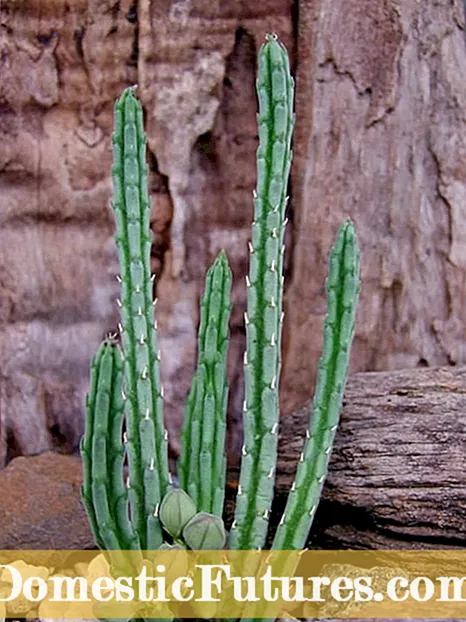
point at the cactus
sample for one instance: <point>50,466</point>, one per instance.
<point>342,294</point>
<point>264,310</point>
<point>124,406</point>
<point>202,466</point>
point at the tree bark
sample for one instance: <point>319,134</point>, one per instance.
<point>397,473</point>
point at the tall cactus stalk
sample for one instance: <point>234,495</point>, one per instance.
<point>264,303</point>
<point>146,436</point>
<point>103,492</point>
<point>342,295</point>
<point>202,466</point>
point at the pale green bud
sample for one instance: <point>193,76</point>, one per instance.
<point>205,531</point>
<point>176,509</point>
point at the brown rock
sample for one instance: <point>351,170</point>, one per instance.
<point>40,506</point>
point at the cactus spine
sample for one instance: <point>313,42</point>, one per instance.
<point>202,466</point>
<point>146,437</point>
<point>264,307</point>
<point>342,295</point>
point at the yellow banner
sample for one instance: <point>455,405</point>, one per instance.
<point>232,584</point>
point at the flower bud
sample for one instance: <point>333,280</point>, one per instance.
<point>176,509</point>
<point>205,531</point>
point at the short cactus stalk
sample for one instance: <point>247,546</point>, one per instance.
<point>202,466</point>
<point>128,493</point>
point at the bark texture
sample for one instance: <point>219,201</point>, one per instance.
<point>380,138</point>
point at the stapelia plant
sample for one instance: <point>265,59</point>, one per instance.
<point>143,510</point>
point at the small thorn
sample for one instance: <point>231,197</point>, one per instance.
<point>170,478</point>
<point>142,340</point>
<point>285,222</point>
<point>293,487</point>
<point>273,266</point>
<point>282,249</point>
<point>118,301</point>
<point>321,479</point>
<point>154,302</point>
<point>301,457</point>
<point>246,319</point>
<point>251,247</point>
<point>254,194</point>
<point>144,373</point>
<point>327,451</point>
<point>270,473</point>
<point>118,278</point>
<point>308,434</point>
<point>123,395</point>
<point>156,510</point>
<point>138,289</point>
<point>147,415</point>
<point>276,208</point>
<point>128,483</point>
<point>152,278</point>
<point>120,327</point>
<point>240,490</point>
<point>274,428</point>
<point>274,232</point>
<point>158,355</point>
<point>333,428</point>
<point>125,437</point>
<point>245,358</point>
<point>162,392</point>
<point>139,311</point>
<point>151,465</point>
<point>243,451</point>
<point>272,340</point>
<point>233,525</point>
<point>265,515</point>
<point>272,303</point>
<point>155,325</point>
<point>245,406</point>
<point>282,520</point>
<point>282,280</point>
<point>165,435</point>
<point>248,282</point>
<point>273,384</point>
<point>282,317</point>
<point>312,510</point>
<point>286,200</point>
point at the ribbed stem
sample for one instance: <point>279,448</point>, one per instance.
<point>202,466</point>
<point>264,311</point>
<point>147,438</point>
<point>342,295</point>
<point>103,492</point>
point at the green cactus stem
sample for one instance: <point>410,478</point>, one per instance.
<point>146,436</point>
<point>202,466</point>
<point>342,294</point>
<point>103,492</point>
<point>264,316</point>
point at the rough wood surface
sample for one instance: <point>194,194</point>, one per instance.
<point>380,137</point>
<point>397,476</point>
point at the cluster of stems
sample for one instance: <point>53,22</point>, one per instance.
<point>128,490</point>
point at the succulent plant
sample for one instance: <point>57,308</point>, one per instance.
<point>143,510</point>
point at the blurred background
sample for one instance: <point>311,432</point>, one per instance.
<point>380,138</point>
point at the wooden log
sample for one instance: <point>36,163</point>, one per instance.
<point>397,477</point>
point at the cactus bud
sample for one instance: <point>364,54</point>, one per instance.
<point>205,531</point>
<point>176,509</point>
